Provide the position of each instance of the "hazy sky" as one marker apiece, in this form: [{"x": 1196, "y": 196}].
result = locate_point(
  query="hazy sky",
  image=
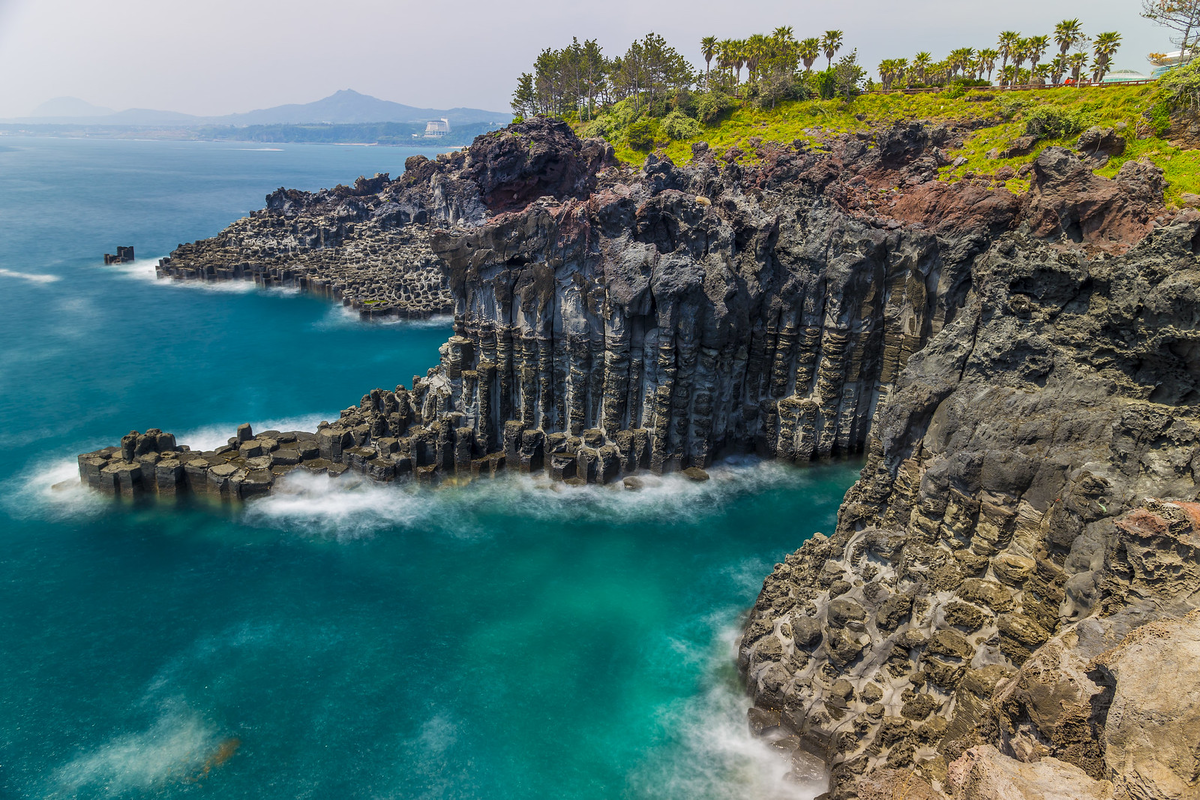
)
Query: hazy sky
[{"x": 222, "y": 56}]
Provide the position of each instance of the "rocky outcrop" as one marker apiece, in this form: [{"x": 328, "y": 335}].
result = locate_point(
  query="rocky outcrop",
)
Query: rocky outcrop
[
  {"x": 367, "y": 245},
  {"x": 1021, "y": 373},
  {"x": 1001, "y": 538}
]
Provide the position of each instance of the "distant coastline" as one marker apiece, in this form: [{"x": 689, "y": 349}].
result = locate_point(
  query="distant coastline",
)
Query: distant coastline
[{"x": 390, "y": 134}]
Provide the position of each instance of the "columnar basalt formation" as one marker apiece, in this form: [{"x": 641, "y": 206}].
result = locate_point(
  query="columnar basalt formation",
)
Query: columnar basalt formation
[
  {"x": 1021, "y": 373},
  {"x": 354, "y": 244}
]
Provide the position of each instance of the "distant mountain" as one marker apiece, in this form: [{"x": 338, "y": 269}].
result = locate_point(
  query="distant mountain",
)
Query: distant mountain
[
  {"x": 349, "y": 107},
  {"x": 69, "y": 107},
  {"x": 340, "y": 108}
]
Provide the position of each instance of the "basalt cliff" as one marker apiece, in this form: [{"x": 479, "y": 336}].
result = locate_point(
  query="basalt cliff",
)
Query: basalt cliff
[{"x": 1005, "y": 607}]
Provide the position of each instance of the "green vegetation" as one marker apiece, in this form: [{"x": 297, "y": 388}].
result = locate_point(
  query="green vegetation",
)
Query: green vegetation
[
  {"x": 967, "y": 66},
  {"x": 1053, "y": 116},
  {"x": 765, "y": 89}
]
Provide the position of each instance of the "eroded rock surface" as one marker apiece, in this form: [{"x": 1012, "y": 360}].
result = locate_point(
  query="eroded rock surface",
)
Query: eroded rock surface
[{"x": 1022, "y": 374}]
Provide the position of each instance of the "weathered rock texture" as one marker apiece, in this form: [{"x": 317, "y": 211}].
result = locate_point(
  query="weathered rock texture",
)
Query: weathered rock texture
[
  {"x": 1008, "y": 530},
  {"x": 1022, "y": 374}
]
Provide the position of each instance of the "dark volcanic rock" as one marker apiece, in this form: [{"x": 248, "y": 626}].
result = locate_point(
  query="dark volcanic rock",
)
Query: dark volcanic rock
[
  {"x": 1022, "y": 374},
  {"x": 516, "y": 166}
]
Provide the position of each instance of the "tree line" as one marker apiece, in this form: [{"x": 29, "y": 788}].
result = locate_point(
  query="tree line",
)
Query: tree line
[
  {"x": 579, "y": 78},
  {"x": 580, "y": 81},
  {"x": 1007, "y": 60}
]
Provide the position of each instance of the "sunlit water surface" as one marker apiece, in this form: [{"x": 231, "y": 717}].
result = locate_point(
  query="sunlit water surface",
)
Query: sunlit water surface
[{"x": 504, "y": 640}]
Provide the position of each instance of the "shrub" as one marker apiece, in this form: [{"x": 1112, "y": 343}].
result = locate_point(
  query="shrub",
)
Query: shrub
[
  {"x": 715, "y": 105},
  {"x": 1179, "y": 89},
  {"x": 602, "y": 126},
  {"x": 641, "y": 134},
  {"x": 1008, "y": 106},
  {"x": 1051, "y": 122},
  {"x": 778, "y": 88},
  {"x": 679, "y": 126}
]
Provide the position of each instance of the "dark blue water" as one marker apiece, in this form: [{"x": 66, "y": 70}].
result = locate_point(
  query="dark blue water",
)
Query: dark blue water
[{"x": 503, "y": 640}]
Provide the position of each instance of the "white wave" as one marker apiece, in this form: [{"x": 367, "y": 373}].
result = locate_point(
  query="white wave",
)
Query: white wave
[
  {"x": 258, "y": 149},
  {"x": 145, "y": 269},
  {"x": 713, "y": 756},
  {"x": 31, "y": 277},
  {"x": 341, "y": 317},
  {"x": 177, "y": 747},
  {"x": 51, "y": 490},
  {"x": 350, "y": 507}
]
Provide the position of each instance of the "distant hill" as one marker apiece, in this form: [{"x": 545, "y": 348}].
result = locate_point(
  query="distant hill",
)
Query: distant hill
[
  {"x": 345, "y": 107},
  {"x": 69, "y": 107},
  {"x": 348, "y": 107}
]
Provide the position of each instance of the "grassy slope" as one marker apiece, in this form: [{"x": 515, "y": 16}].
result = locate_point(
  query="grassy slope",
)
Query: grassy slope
[{"x": 812, "y": 120}]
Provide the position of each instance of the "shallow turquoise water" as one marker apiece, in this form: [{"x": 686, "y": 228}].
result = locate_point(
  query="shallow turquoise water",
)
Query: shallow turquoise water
[{"x": 506, "y": 640}]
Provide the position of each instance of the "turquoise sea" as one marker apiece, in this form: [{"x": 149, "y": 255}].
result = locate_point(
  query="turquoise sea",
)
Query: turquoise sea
[{"x": 504, "y": 640}]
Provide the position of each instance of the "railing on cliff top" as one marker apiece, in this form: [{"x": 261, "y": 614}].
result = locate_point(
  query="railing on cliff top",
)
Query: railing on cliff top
[{"x": 1022, "y": 87}]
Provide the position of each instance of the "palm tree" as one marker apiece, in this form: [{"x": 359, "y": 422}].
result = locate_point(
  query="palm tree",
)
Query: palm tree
[
  {"x": 987, "y": 61},
  {"x": 1008, "y": 75},
  {"x": 1037, "y": 48},
  {"x": 959, "y": 59},
  {"x": 831, "y": 42},
  {"x": 1066, "y": 33},
  {"x": 1058, "y": 67},
  {"x": 739, "y": 59},
  {"x": 783, "y": 33},
  {"x": 1104, "y": 46},
  {"x": 756, "y": 48},
  {"x": 1020, "y": 53},
  {"x": 808, "y": 51},
  {"x": 1007, "y": 44},
  {"x": 708, "y": 49},
  {"x": 1077, "y": 61},
  {"x": 725, "y": 54},
  {"x": 890, "y": 70},
  {"x": 921, "y": 65},
  {"x": 1039, "y": 72}
]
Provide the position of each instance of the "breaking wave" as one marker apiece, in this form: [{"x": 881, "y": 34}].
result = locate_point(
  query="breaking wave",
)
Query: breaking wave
[
  {"x": 340, "y": 317},
  {"x": 712, "y": 754},
  {"x": 351, "y": 507}
]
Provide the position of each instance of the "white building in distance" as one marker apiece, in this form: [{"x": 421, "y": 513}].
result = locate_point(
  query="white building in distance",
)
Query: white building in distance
[{"x": 435, "y": 129}]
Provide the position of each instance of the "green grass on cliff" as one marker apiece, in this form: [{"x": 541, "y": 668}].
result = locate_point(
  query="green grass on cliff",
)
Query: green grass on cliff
[{"x": 1129, "y": 109}]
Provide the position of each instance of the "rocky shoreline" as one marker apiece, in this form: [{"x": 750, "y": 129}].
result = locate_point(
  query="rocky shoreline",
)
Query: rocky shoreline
[
  {"x": 1021, "y": 373},
  {"x": 351, "y": 244}
]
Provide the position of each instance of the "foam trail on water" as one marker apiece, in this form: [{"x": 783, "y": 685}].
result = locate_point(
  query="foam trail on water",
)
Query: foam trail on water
[
  {"x": 340, "y": 317},
  {"x": 350, "y": 507},
  {"x": 31, "y": 277},
  {"x": 143, "y": 269},
  {"x": 175, "y": 748},
  {"x": 714, "y": 756},
  {"x": 52, "y": 490}
]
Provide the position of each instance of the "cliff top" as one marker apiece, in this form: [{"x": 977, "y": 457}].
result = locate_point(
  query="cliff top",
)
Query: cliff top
[{"x": 999, "y": 133}]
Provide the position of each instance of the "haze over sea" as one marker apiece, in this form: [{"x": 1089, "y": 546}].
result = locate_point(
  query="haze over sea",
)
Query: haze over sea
[{"x": 503, "y": 640}]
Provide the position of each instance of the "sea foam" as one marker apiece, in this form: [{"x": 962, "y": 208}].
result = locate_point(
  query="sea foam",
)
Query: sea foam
[
  {"x": 715, "y": 757},
  {"x": 31, "y": 277},
  {"x": 175, "y": 748}
]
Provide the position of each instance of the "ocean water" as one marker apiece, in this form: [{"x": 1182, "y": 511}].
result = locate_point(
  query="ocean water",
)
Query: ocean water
[{"x": 335, "y": 640}]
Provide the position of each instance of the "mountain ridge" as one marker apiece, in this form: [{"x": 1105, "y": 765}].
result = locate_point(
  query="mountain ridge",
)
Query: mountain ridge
[{"x": 344, "y": 106}]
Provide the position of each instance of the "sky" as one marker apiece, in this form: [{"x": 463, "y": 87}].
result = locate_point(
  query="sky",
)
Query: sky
[{"x": 224, "y": 56}]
